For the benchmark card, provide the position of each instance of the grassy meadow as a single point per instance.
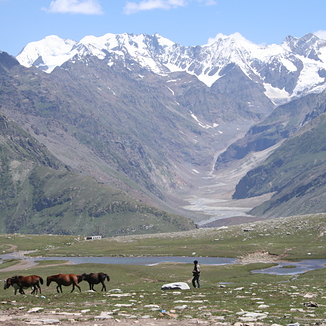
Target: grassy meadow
(228, 292)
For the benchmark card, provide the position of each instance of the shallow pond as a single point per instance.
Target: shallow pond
(283, 268)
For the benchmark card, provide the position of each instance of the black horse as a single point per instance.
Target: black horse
(94, 278)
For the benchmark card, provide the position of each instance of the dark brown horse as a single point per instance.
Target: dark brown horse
(20, 282)
(63, 279)
(8, 283)
(95, 278)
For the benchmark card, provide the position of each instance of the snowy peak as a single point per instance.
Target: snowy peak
(293, 69)
(309, 46)
(47, 54)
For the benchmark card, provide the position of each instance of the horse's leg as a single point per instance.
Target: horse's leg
(78, 287)
(39, 287)
(73, 287)
(103, 286)
(59, 287)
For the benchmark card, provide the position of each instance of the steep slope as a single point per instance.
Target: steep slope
(295, 173)
(39, 193)
(117, 124)
(283, 122)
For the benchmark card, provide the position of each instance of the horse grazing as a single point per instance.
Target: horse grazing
(24, 282)
(95, 278)
(63, 279)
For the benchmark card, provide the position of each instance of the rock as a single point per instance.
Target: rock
(310, 304)
(176, 286)
(115, 291)
(36, 309)
(181, 307)
(152, 306)
(104, 315)
(123, 305)
(50, 321)
(247, 316)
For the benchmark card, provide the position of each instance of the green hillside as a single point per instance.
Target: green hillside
(39, 194)
(295, 173)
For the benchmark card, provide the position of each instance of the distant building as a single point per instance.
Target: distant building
(94, 237)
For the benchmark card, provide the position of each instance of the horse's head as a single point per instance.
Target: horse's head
(7, 283)
(48, 280)
(81, 277)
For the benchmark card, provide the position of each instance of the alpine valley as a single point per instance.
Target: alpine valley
(126, 134)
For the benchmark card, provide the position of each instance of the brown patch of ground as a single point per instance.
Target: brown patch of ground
(259, 257)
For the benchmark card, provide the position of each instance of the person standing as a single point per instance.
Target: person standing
(196, 274)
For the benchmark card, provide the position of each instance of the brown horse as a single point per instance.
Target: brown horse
(63, 279)
(95, 278)
(24, 282)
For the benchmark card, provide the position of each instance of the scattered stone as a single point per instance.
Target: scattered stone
(115, 291)
(310, 295)
(247, 316)
(36, 309)
(152, 306)
(123, 304)
(50, 321)
(181, 307)
(104, 315)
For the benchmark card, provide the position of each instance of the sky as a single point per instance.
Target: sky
(187, 22)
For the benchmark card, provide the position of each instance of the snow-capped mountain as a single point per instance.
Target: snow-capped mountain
(292, 69)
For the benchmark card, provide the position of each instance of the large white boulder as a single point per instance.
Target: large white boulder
(176, 286)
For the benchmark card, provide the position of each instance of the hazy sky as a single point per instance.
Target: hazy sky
(188, 22)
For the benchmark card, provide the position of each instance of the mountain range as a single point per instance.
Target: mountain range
(295, 68)
(153, 122)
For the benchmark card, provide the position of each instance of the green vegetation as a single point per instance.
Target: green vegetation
(228, 292)
(295, 173)
(39, 195)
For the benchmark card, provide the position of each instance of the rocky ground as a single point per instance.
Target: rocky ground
(22, 316)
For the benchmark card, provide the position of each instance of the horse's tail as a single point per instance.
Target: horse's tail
(107, 277)
(41, 280)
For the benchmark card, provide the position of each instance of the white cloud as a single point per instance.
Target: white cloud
(208, 2)
(133, 7)
(321, 34)
(85, 7)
